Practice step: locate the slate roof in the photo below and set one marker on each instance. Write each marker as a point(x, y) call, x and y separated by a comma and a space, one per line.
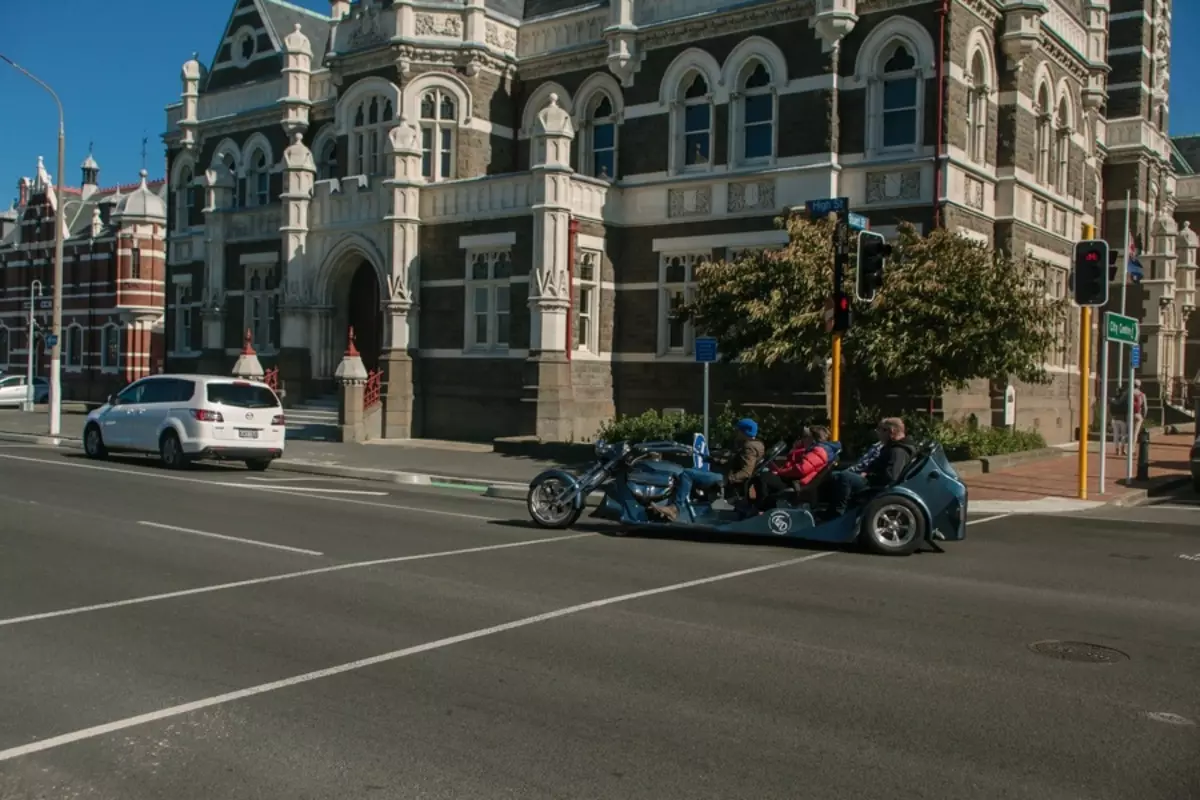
point(79, 209)
point(1185, 154)
point(281, 17)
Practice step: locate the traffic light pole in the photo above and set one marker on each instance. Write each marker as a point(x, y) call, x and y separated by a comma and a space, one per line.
point(1085, 356)
point(839, 286)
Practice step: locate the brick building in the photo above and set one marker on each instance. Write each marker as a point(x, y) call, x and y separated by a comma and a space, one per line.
point(114, 268)
point(507, 198)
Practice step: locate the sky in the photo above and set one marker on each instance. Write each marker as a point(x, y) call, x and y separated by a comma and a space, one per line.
point(116, 65)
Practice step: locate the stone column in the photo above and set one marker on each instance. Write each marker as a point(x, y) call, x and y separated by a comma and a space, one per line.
point(188, 120)
point(1158, 317)
point(400, 407)
point(299, 173)
point(351, 376)
point(219, 186)
point(247, 366)
point(548, 389)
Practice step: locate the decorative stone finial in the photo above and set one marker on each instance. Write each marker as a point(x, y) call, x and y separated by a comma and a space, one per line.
point(248, 343)
point(351, 350)
point(248, 365)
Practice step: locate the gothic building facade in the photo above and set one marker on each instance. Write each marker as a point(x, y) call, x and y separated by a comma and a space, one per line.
point(114, 271)
point(508, 199)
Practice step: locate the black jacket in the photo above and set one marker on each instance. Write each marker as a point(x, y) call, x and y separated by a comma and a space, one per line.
point(891, 463)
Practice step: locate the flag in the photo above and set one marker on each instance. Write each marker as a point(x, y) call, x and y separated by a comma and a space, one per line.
point(1136, 272)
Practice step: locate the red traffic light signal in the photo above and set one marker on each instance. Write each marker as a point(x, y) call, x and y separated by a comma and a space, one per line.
point(843, 303)
point(1091, 275)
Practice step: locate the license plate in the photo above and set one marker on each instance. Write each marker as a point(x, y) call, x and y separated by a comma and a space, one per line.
point(245, 434)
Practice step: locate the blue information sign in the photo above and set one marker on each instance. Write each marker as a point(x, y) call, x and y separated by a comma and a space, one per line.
point(858, 221)
point(51, 340)
point(706, 349)
point(826, 206)
point(1135, 356)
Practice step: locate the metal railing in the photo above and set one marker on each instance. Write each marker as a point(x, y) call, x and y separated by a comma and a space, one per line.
point(373, 390)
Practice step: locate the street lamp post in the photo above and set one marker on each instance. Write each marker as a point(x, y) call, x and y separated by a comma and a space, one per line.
point(59, 215)
point(35, 291)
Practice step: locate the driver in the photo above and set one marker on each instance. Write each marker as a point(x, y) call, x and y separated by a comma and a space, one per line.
point(739, 467)
point(895, 453)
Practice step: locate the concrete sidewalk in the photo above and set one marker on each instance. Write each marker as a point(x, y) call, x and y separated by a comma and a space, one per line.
point(1045, 484)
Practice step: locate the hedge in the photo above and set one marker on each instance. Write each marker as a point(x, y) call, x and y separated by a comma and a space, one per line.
point(962, 439)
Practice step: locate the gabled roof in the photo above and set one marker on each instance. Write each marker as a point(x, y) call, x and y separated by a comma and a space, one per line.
point(277, 18)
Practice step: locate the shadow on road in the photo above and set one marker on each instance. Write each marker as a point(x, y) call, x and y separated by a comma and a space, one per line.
point(153, 462)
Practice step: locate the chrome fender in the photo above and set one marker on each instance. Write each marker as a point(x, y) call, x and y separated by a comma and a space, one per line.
point(570, 481)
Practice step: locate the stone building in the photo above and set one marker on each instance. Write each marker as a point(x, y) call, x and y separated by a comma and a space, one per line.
point(507, 199)
point(114, 271)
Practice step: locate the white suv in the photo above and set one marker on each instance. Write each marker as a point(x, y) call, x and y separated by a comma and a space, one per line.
point(187, 417)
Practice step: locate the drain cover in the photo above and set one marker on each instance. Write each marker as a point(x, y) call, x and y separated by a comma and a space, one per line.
point(1078, 651)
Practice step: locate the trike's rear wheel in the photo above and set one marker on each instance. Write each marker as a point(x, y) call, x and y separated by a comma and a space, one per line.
point(892, 525)
point(544, 506)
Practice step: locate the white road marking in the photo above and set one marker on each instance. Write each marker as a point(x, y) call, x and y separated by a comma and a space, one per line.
point(987, 519)
point(287, 576)
point(263, 688)
point(1191, 557)
point(194, 532)
point(299, 491)
point(296, 480)
point(304, 489)
point(1169, 718)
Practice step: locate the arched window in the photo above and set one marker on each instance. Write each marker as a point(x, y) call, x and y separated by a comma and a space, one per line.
point(74, 346)
point(1062, 144)
point(230, 163)
point(185, 198)
point(900, 98)
point(372, 118)
point(327, 161)
point(694, 122)
point(756, 109)
point(258, 180)
point(600, 138)
point(1044, 135)
point(439, 118)
point(977, 110)
point(110, 347)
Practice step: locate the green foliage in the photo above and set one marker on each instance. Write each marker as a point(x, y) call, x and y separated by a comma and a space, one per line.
point(962, 440)
point(952, 310)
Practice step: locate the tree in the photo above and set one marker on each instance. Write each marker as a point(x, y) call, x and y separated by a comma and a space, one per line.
point(951, 310)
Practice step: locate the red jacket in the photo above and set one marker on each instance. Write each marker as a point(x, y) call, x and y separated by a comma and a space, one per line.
point(802, 465)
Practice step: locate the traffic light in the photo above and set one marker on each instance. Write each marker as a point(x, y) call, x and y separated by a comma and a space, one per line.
point(873, 252)
point(842, 315)
point(1091, 273)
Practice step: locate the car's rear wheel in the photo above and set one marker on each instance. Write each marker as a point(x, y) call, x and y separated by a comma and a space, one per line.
point(170, 451)
point(892, 525)
point(93, 442)
point(258, 464)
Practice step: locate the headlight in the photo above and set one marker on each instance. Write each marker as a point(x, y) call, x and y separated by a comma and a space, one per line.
point(601, 447)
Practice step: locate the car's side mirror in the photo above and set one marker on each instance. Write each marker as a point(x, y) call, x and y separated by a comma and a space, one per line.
point(112, 400)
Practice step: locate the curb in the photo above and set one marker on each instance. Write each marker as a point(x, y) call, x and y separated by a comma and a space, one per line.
point(41, 439)
point(1140, 497)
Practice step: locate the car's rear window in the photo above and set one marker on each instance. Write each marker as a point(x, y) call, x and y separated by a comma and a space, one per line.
point(241, 395)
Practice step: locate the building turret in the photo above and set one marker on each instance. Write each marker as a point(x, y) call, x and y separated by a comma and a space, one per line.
point(91, 174)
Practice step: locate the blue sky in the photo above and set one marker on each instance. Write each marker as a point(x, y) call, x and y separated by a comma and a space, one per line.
point(116, 70)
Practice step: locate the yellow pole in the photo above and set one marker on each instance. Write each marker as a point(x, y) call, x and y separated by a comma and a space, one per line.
point(835, 414)
point(1085, 356)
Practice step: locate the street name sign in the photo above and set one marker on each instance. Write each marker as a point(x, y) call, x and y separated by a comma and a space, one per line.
point(818, 209)
point(1121, 329)
point(858, 222)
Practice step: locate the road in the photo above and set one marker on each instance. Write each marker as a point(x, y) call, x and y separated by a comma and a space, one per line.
point(213, 633)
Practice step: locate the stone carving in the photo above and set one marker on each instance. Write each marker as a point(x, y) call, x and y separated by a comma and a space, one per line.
point(368, 28)
point(439, 25)
point(551, 283)
point(885, 186)
point(689, 202)
point(505, 39)
point(974, 191)
point(751, 196)
point(398, 291)
point(1060, 221)
point(1039, 212)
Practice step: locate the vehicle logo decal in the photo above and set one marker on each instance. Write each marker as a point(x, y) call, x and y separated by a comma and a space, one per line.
point(779, 522)
point(249, 415)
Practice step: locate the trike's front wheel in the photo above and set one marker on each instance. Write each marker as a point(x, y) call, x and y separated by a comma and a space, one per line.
point(545, 507)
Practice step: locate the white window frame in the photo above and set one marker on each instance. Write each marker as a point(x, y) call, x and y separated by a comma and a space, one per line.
point(591, 123)
point(585, 302)
point(260, 306)
point(327, 166)
point(879, 81)
point(439, 135)
point(229, 162)
point(740, 128)
point(111, 329)
point(74, 351)
point(184, 307)
point(1044, 134)
point(668, 290)
point(367, 139)
point(258, 179)
point(135, 264)
point(680, 107)
point(185, 198)
point(495, 289)
point(977, 109)
point(1062, 147)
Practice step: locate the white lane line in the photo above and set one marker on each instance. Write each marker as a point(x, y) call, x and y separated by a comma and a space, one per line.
point(987, 519)
point(194, 532)
point(263, 688)
point(287, 576)
point(303, 489)
point(296, 480)
point(298, 491)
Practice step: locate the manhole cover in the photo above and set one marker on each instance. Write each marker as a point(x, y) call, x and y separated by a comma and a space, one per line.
point(1078, 651)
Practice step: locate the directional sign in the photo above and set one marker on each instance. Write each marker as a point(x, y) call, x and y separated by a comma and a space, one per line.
point(1135, 357)
point(1121, 329)
point(51, 339)
point(819, 209)
point(706, 349)
point(858, 221)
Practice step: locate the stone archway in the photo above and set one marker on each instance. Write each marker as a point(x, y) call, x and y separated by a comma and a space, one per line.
point(351, 292)
point(364, 314)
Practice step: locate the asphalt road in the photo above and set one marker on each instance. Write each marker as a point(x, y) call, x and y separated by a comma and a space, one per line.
point(217, 634)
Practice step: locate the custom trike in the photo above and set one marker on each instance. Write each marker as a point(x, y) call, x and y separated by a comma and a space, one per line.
point(927, 503)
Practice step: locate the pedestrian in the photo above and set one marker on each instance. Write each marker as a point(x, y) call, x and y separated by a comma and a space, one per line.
point(1139, 411)
point(1118, 408)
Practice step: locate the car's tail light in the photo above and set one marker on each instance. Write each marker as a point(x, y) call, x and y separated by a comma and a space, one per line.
point(204, 415)
point(279, 419)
